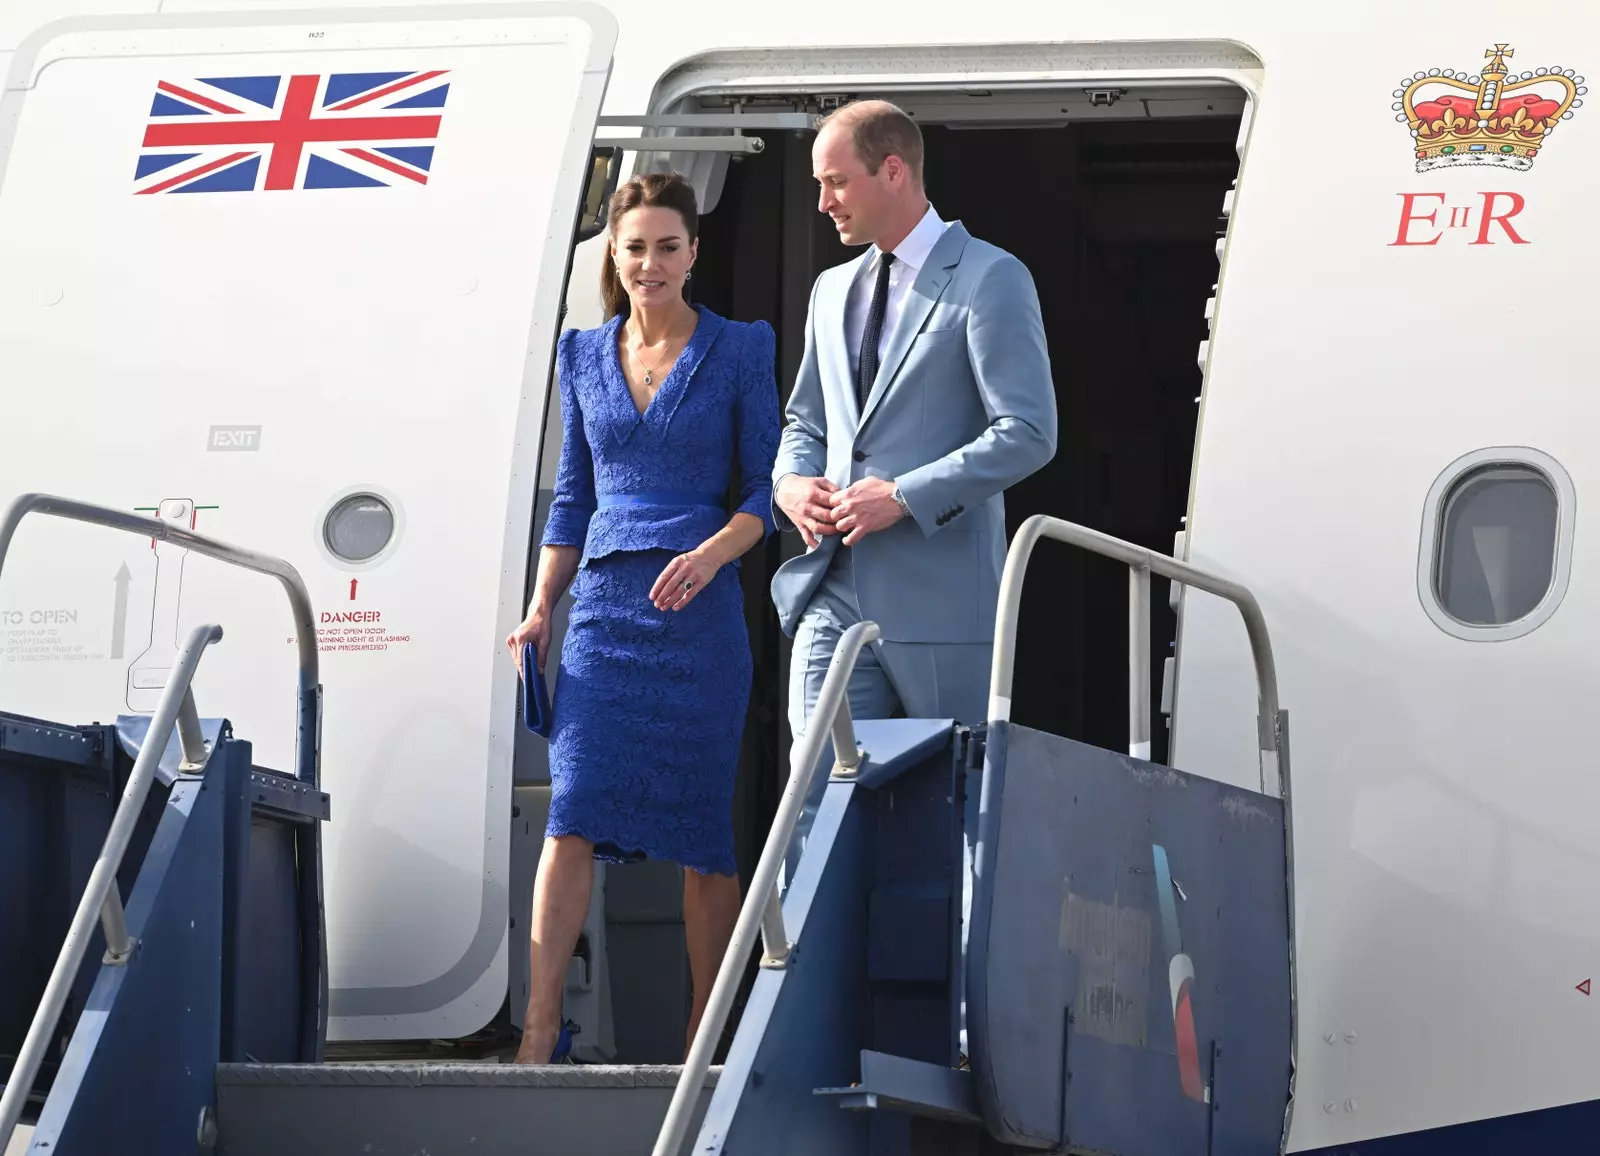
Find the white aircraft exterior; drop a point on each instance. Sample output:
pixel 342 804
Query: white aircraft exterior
pixel 343 358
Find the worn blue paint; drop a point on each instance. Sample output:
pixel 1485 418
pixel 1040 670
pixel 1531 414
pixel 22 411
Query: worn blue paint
pixel 871 913
pixel 1067 922
pixel 916 897
pixel 910 1086
pixel 222 891
pixel 1186 868
pixel 58 788
pixel 139 1069
pixel 263 996
pixel 804 1026
pixel 895 746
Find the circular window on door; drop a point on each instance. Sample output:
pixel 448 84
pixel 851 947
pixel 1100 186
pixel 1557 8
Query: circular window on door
pixel 1496 545
pixel 359 528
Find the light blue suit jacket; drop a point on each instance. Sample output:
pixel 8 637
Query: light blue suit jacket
pixel 963 406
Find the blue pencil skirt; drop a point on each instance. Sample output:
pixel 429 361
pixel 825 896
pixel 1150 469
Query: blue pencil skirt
pixel 648 712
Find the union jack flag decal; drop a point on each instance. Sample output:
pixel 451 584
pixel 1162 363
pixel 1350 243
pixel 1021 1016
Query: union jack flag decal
pixel 344 130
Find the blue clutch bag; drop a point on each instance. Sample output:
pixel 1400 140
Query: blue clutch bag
pixel 535 697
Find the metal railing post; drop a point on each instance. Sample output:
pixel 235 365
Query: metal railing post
pixel 761 907
pixel 114 922
pixel 1002 668
pixel 1139 662
pixel 847 757
pixel 100 900
pixel 190 739
pixel 775 943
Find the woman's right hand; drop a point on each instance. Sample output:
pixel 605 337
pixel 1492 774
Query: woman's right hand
pixel 535 629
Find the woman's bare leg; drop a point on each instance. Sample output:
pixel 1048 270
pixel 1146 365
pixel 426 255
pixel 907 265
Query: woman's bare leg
pixel 710 909
pixel 560 901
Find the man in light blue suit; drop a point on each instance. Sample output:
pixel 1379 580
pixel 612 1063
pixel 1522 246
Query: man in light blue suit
pixel 924 391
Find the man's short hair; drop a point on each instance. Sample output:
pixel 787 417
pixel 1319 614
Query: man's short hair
pixel 879 130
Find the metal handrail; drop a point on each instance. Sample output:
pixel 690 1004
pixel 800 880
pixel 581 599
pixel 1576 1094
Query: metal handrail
pixel 761 905
pixel 308 744
pixel 101 898
pixel 1272 722
pixel 1142 563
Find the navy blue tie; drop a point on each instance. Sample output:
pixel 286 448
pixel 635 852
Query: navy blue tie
pixel 867 364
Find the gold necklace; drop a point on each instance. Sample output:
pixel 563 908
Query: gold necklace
pixel 650 370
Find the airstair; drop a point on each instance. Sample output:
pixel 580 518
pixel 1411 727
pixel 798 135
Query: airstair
pixel 1128 975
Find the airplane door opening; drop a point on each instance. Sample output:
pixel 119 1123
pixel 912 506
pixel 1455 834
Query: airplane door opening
pixel 1118 221
pixel 1117 215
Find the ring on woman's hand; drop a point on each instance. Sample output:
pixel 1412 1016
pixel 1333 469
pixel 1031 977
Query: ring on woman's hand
pixel 687 583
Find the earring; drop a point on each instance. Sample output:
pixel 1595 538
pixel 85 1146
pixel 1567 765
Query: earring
pixel 687 276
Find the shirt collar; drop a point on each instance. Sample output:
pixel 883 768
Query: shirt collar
pixel 914 250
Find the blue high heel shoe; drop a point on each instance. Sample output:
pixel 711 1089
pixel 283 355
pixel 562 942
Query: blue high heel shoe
pixel 564 1042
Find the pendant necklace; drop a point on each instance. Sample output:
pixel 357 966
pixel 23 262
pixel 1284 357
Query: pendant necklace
pixel 650 370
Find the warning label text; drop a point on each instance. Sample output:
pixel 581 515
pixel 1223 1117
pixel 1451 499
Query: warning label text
pixel 353 630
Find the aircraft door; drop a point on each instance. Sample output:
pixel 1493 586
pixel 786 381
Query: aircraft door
pixel 296 279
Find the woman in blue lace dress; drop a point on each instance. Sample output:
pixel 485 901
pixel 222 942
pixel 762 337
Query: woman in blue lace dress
pixel 667 410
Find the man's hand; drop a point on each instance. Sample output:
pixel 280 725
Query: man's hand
pixel 805 500
pixel 865 508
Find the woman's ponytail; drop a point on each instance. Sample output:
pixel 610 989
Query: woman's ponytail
pixel 612 294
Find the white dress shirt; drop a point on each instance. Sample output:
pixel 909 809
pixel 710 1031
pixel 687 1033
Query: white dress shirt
pixel 910 255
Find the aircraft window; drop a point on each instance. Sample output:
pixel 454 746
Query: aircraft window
pixel 358 528
pixel 1497 546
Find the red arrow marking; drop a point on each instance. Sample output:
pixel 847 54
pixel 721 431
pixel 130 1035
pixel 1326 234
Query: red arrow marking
pixel 1584 987
pixel 353 589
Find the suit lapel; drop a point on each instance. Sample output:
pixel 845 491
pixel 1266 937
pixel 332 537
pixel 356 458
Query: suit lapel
pixel 835 340
pixel 925 290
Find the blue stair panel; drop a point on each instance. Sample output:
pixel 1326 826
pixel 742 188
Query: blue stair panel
pixel 1129 988
pixel 867 1000
pixel 136 1071
pixel 58 788
pixel 222 892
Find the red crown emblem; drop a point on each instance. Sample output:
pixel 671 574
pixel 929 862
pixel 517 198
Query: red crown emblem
pixel 1498 118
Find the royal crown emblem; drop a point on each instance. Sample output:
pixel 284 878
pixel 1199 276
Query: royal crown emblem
pixel 1498 118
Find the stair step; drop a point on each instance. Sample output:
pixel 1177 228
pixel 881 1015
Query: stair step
pixel 487 1109
pixel 910 1087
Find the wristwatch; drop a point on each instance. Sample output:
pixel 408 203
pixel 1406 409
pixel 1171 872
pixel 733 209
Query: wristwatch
pixel 900 500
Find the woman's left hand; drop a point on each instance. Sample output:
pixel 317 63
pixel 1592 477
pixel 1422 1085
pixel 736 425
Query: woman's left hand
pixel 684 578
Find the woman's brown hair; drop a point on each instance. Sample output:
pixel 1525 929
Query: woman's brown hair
pixel 652 190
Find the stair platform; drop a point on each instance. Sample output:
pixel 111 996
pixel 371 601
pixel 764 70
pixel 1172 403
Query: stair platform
pixel 481 1109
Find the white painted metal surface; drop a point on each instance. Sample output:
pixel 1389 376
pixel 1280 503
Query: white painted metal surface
pixel 20 1139
pixel 392 339
pixel 1447 824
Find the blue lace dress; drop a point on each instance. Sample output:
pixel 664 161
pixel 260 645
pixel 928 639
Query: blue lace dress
pixel 648 705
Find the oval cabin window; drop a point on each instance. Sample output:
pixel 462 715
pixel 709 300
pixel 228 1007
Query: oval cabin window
pixel 358 528
pixel 1500 531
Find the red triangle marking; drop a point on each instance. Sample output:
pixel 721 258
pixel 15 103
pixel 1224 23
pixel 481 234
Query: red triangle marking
pixel 1584 987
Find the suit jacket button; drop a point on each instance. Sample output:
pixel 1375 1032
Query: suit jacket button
pixel 860 455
